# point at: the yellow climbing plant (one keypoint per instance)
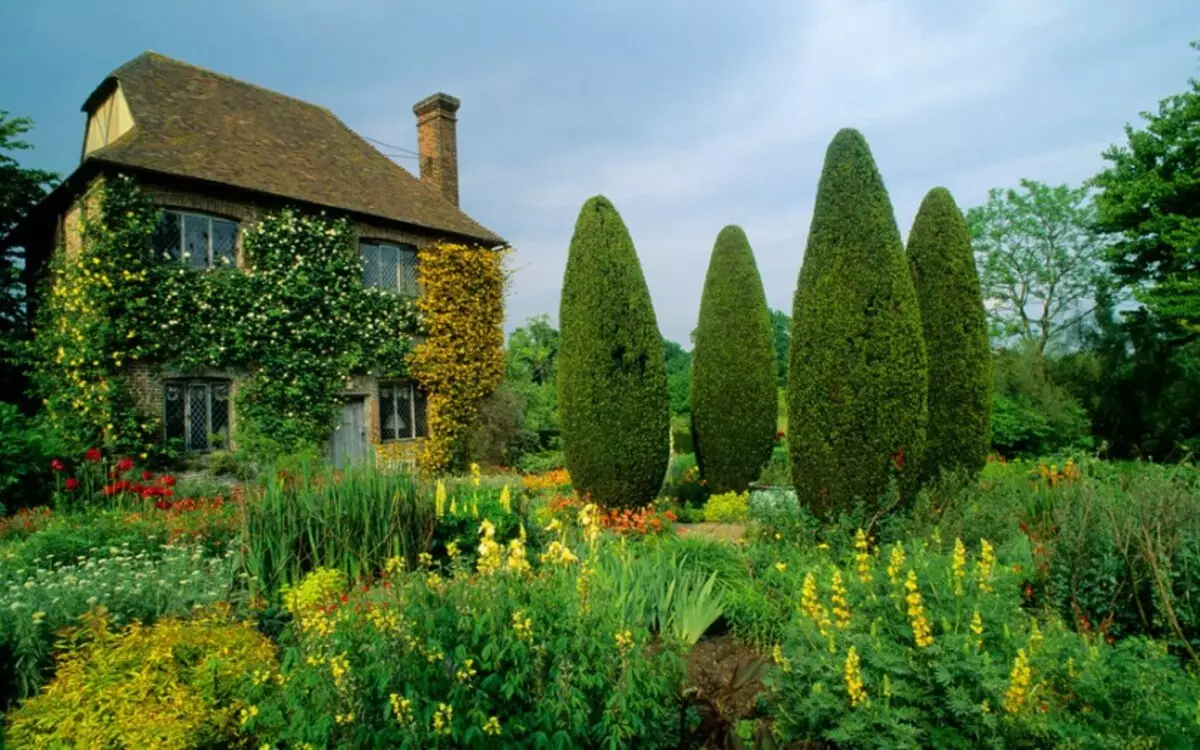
(461, 360)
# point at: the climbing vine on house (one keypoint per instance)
(297, 322)
(461, 359)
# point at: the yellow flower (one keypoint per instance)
(841, 605)
(401, 708)
(394, 564)
(781, 566)
(491, 726)
(1018, 683)
(1035, 634)
(440, 499)
(558, 553)
(811, 605)
(522, 625)
(916, 612)
(442, 719)
(777, 656)
(959, 566)
(506, 499)
(624, 640)
(475, 475)
(862, 557)
(896, 563)
(467, 671)
(977, 626)
(853, 674)
(516, 557)
(984, 566)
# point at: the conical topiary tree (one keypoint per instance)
(612, 380)
(857, 383)
(956, 337)
(734, 401)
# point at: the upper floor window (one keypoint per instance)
(391, 267)
(196, 240)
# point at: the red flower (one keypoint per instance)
(56, 464)
(92, 454)
(169, 480)
(72, 484)
(147, 476)
(109, 490)
(125, 464)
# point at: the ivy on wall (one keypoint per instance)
(461, 359)
(297, 322)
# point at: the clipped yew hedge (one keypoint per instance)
(956, 337)
(612, 379)
(734, 399)
(858, 379)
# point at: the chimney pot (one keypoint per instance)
(437, 143)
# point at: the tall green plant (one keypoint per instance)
(612, 380)
(734, 400)
(956, 337)
(857, 390)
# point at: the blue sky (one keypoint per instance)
(688, 115)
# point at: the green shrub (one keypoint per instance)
(177, 684)
(501, 659)
(684, 483)
(934, 652)
(25, 453)
(612, 379)
(681, 435)
(778, 471)
(956, 337)
(537, 463)
(53, 591)
(727, 507)
(1031, 416)
(733, 394)
(858, 379)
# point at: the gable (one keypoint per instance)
(108, 121)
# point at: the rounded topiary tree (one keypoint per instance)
(857, 383)
(734, 401)
(612, 379)
(956, 337)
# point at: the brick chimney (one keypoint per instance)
(437, 143)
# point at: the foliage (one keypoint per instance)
(733, 354)
(778, 471)
(180, 683)
(914, 647)
(1149, 197)
(20, 189)
(505, 658)
(25, 453)
(461, 359)
(41, 595)
(781, 338)
(496, 439)
(535, 463)
(351, 521)
(1030, 415)
(727, 507)
(531, 369)
(858, 379)
(298, 321)
(956, 337)
(679, 378)
(1039, 258)
(612, 382)
(684, 483)
(681, 435)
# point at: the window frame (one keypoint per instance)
(402, 249)
(183, 215)
(186, 385)
(397, 386)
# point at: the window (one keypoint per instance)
(195, 240)
(401, 412)
(391, 267)
(197, 413)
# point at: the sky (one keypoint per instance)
(689, 115)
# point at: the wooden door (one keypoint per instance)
(348, 444)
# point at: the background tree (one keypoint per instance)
(956, 337)
(1150, 197)
(781, 337)
(612, 379)
(858, 379)
(533, 350)
(20, 190)
(1039, 258)
(679, 378)
(734, 401)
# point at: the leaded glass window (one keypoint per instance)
(196, 240)
(197, 413)
(401, 412)
(390, 267)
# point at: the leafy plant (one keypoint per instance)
(727, 507)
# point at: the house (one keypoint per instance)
(216, 153)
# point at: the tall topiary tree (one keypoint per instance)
(612, 380)
(857, 384)
(734, 401)
(956, 337)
